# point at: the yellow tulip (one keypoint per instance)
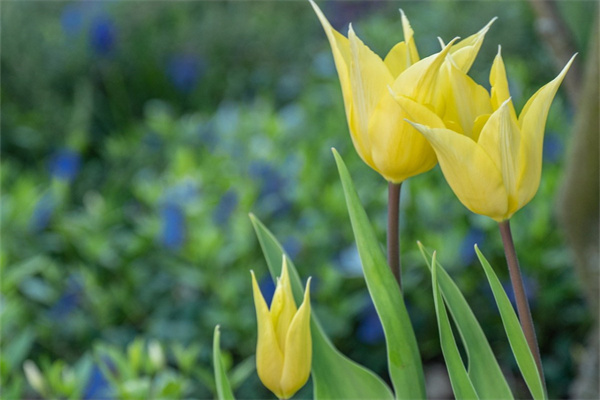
(284, 348)
(377, 124)
(491, 159)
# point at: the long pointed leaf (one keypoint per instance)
(404, 360)
(515, 334)
(459, 378)
(484, 371)
(224, 391)
(334, 375)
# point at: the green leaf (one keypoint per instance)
(222, 383)
(515, 334)
(334, 375)
(404, 361)
(459, 377)
(484, 371)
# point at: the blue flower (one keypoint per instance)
(65, 164)
(225, 208)
(267, 288)
(97, 386)
(102, 35)
(272, 195)
(467, 247)
(183, 71)
(173, 226)
(348, 261)
(292, 246)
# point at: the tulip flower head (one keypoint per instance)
(491, 159)
(284, 348)
(379, 132)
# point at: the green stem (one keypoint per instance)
(393, 239)
(520, 295)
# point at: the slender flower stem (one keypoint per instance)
(520, 296)
(393, 239)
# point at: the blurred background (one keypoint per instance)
(136, 138)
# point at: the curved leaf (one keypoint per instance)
(224, 391)
(484, 371)
(459, 378)
(404, 360)
(334, 375)
(515, 334)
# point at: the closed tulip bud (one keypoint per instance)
(491, 159)
(284, 348)
(379, 132)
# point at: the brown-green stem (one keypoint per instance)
(393, 238)
(516, 280)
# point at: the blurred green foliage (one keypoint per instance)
(135, 141)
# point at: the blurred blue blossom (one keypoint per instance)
(102, 35)
(71, 19)
(272, 195)
(369, 329)
(65, 164)
(184, 192)
(467, 247)
(97, 386)
(42, 213)
(553, 148)
(226, 207)
(267, 288)
(69, 301)
(531, 289)
(173, 226)
(184, 71)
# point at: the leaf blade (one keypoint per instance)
(404, 360)
(224, 391)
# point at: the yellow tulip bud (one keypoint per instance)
(491, 160)
(284, 348)
(380, 134)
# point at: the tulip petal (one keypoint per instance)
(532, 122)
(397, 60)
(418, 81)
(369, 78)
(499, 82)
(469, 171)
(411, 47)
(399, 151)
(269, 359)
(340, 47)
(283, 306)
(465, 51)
(298, 349)
(464, 99)
(501, 140)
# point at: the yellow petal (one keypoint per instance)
(469, 171)
(418, 81)
(501, 140)
(283, 306)
(340, 47)
(499, 82)
(298, 349)
(269, 358)
(465, 51)
(397, 60)
(411, 47)
(369, 79)
(400, 151)
(465, 100)
(532, 122)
